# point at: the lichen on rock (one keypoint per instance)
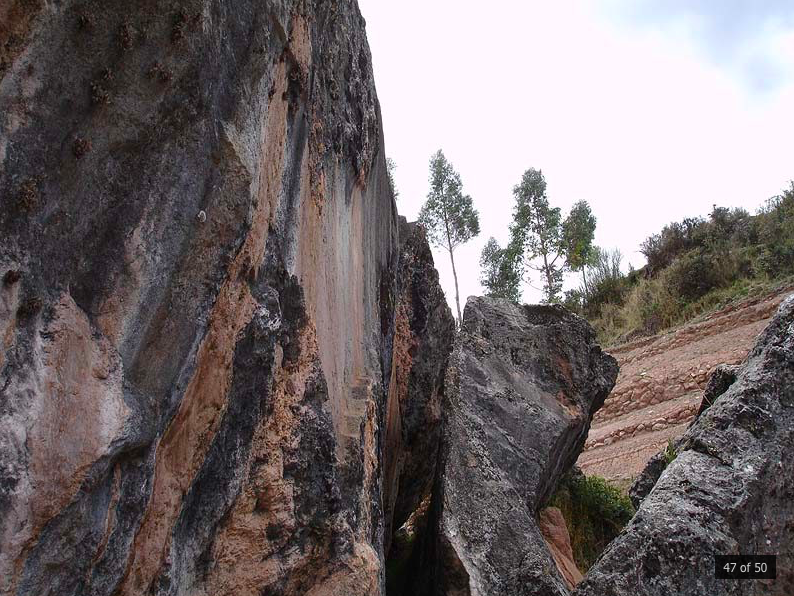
(521, 389)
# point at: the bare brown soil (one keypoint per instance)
(661, 382)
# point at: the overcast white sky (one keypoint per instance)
(650, 110)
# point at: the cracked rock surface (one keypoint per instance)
(198, 258)
(730, 490)
(522, 386)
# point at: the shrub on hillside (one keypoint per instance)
(651, 305)
(610, 323)
(693, 266)
(775, 225)
(606, 282)
(693, 274)
(674, 239)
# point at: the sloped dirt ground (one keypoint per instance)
(661, 382)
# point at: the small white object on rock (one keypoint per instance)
(202, 216)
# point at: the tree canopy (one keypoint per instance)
(537, 232)
(448, 215)
(540, 240)
(578, 231)
(501, 271)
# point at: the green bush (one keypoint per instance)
(651, 305)
(674, 239)
(693, 266)
(693, 275)
(775, 227)
(574, 301)
(595, 512)
(670, 453)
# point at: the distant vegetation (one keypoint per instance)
(540, 240)
(595, 512)
(391, 165)
(693, 266)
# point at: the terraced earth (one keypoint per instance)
(661, 382)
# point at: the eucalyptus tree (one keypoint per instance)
(501, 271)
(448, 215)
(537, 232)
(543, 241)
(578, 231)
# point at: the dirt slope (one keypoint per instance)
(661, 382)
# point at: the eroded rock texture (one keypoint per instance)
(554, 530)
(198, 253)
(522, 386)
(424, 335)
(730, 490)
(718, 383)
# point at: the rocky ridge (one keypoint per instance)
(522, 386)
(729, 490)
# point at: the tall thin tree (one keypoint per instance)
(537, 231)
(578, 231)
(448, 215)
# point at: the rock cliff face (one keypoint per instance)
(423, 339)
(199, 253)
(521, 389)
(730, 489)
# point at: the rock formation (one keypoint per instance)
(730, 490)
(646, 480)
(718, 383)
(423, 338)
(199, 261)
(555, 532)
(522, 386)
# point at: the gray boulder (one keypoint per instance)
(720, 380)
(521, 389)
(647, 479)
(730, 490)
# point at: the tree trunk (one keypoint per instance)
(584, 280)
(547, 271)
(457, 295)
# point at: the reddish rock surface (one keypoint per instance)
(199, 253)
(555, 533)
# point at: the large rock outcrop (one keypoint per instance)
(730, 490)
(719, 381)
(198, 255)
(423, 338)
(521, 389)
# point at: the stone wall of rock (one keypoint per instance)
(521, 389)
(729, 490)
(198, 255)
(423, 338)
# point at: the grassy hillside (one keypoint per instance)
(694, 266)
